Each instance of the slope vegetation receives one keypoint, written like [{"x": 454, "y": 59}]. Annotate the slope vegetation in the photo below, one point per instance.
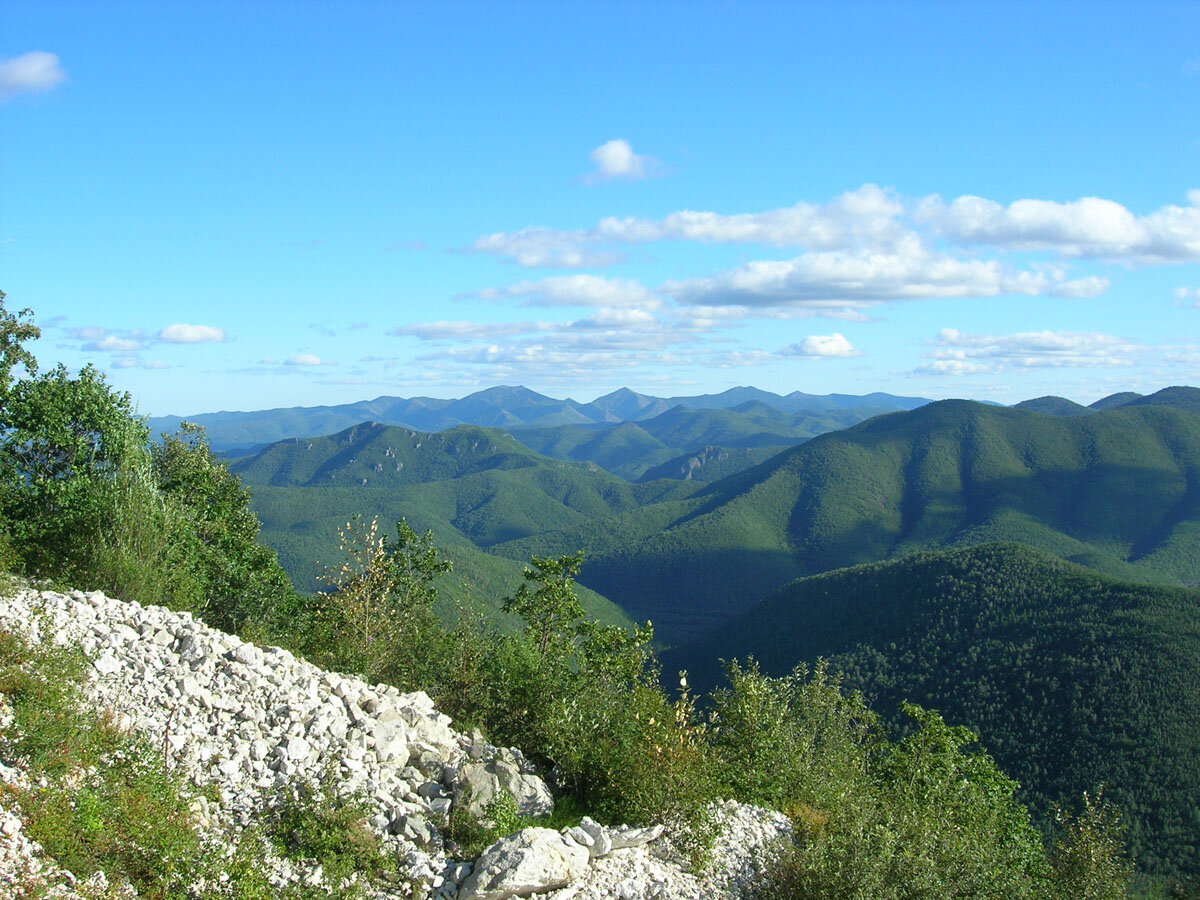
[{"x": 1073, "y": 679}]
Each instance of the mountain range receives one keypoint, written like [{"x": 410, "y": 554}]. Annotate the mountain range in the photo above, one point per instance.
[{"x": 508, "y": 407}]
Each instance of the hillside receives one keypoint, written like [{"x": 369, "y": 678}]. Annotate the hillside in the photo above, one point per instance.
[
  {"x": 634, "y": 449},
  {"x": 711, "y": 463},
  {"x": 1118, "y": 491},
  {"x": 473, "y": 486},
  {"x": 1072, "y": 678}
]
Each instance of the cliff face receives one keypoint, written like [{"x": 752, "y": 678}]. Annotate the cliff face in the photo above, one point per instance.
[{"x": 251, "y": 723}]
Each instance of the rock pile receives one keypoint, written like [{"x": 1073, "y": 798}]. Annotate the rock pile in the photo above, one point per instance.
[{"x": 252, "y": 722}]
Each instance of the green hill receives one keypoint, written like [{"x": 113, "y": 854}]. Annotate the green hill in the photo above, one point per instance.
[
  {"x": 1055, "y": 406},
  {"x": 632, "y": 450},
  {"x": 1114, "y": 400},
  {"x": 1179, "y": 397},
  {"x": 1072, "y": 678},
  {"x": 1118, "y": 491}
]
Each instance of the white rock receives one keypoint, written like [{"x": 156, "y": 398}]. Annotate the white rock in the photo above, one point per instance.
[{"x": 531, "y": 861}]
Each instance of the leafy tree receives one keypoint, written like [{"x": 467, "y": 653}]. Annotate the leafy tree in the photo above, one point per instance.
[
  {"x": 15, "y": 330},
  {"x": 552, "y": 609},
  {"x": 1089, "y": 858},
  {"x": 234, "y": 581},
  {"x": 64, "y": 443}
]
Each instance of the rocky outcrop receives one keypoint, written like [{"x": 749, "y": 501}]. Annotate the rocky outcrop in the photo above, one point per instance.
[{"x": 251, "y": 722}]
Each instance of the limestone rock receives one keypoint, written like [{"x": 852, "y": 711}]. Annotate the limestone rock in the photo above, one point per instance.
[{"x": 528, "y": 862}]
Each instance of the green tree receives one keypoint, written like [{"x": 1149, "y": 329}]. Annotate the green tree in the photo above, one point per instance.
[
  {"x": 65, "y": 442},
  {"x": 15, "y": 330},
  {"x": 551, "y": 611},
  {"x": 222, "y": 571}
]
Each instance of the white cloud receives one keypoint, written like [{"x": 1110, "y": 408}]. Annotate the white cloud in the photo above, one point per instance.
[
  {"x": 36, "y": 71},
  {"x": 866, "y": 216},
  {"x": 954, "y": 367},
  {"x": 191, "y": 334},
  {"x": 1187, "y": 297},
  {"x": 307, "y": 359},
  {"x": 840, "y": 282},
  {"x": 439, "y": 331},
  {"x": 546, "y": 248},
  {"x": 133, "y": 362},
  {"x": 577, "y": 290},
  {"x": 616, "y": 159},
  {"x": 1090, "y": 227},
  {"x": 113, "y": 343},
  {"x": 821, "y": 346},
  {"x": 957, "y": 353}
]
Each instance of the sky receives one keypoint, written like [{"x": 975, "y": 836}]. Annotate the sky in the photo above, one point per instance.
[{"x": 251, "y": 205}]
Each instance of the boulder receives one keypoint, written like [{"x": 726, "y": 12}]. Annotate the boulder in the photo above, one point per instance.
[
  {"x": 477, "y": 783},
  {"x": 528, "y": 862}
]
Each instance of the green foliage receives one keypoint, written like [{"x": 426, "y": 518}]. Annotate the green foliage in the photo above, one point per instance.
[
  {"x": 474, "y": 834},
  {"x": 1073, "y": 679},
  {"x": 15, "y": 330},
  {"x": 314, "y": 823},
  {"x": 933, "y": 821},
  {"x": 584, "y": 700},
  {"x": 66, "y": 442},
  {"x": 795, "y": 742},
  {"x": 223, "y": 572},
  {"x": 378, "y": 620},
  {"x": 85, "y": 500},
  {"x": 1088, "y": 856},
  {"x": 551, "y": 609}
]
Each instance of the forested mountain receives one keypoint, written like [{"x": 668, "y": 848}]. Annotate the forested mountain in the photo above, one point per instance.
[
  {"x": 1073, "y": 678},
  {"x": 1118, "y": 491},
  {"x": 506, "y": 407},
  {"x": 473, "y": 486},
  {"x": 631, "y": 449}
]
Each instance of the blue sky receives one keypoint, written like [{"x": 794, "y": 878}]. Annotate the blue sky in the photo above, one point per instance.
[{"x": 246, "y": 205}]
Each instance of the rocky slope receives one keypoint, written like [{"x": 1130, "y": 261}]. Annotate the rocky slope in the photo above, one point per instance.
[{"x": 252, "y": 722}]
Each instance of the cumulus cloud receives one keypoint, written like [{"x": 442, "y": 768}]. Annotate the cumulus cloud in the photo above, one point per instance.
[
  {"x": 615, "y": 159},
  {"x": 877, "y": 220},
  {"x": 577, "y": 290},
  {"x": 36, "y": 71},
  {"x": 821, "y": 346},
  {"x": 865, "y": 216},
  {"x": 307, "y": 359},
  {"x": 1090, "y": 227},
  {"x": 191, "y": 334},
  {"x": 837, "y": 282},
  {"x": 957, "y": 353},
  {"x": 546, "y": 248}
]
